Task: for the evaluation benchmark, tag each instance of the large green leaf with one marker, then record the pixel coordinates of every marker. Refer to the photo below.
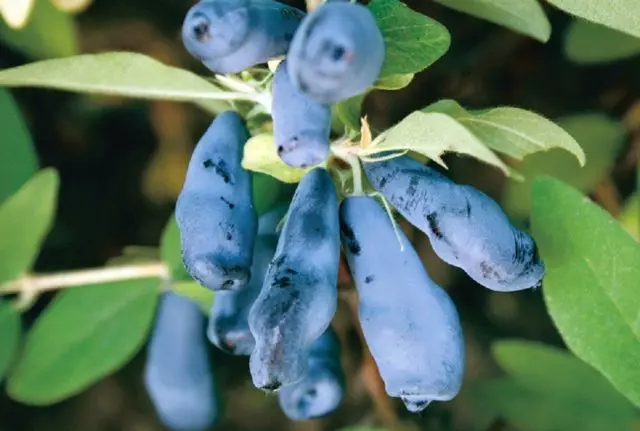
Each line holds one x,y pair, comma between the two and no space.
623,15
412,41
588,43
49,33
509,399
25,219
592,281
547,371
117,74
9,335
600,137
266,192
512,131
524,16
87,333
18,160
260,156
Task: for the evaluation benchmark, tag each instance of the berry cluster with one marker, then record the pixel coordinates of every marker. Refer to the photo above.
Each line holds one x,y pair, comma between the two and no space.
277,291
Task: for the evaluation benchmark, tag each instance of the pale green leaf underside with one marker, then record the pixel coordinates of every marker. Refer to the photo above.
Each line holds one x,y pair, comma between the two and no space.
25,220
394,82
524,16
623,15
511,131
591,286
87,333
260,156
412,41
589,43
600,137
116,74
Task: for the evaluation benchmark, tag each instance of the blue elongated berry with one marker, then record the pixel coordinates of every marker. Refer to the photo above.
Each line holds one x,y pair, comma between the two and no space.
228,325
410,324
322,389
178,374
214,211
229,36
467,229
299,295
337,52
301,126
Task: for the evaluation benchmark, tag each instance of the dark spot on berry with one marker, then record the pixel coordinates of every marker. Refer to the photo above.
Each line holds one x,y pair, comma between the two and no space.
231,205
350,239
201,30
337,53
383,182
369,278
272,386
468,207
434,226
489,271
207,163
280,149
291,271
282,282
413,186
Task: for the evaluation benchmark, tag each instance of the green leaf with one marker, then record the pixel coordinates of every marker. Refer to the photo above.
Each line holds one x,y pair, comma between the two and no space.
600,137
348,111
116,74
394,82
170,250
549,371
512,131
623,15
49,33
202,296
25,219
589,43
412,41
591,283
260,156
524,16
266,192
18,160
433,134
630,216
87,333
507,398
10,335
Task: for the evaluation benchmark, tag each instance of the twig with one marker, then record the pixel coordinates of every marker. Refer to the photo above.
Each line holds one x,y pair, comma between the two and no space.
33,284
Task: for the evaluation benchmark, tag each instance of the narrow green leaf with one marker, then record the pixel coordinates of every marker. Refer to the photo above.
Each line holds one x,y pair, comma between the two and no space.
512,131
116,74
18,160
348,112
394,82
549,371
600,137
49,33
170,250
589,43
508,399
9,335
591,283
623,15
412,41
202,296
87,333
260,156
25,219
433,134
524,16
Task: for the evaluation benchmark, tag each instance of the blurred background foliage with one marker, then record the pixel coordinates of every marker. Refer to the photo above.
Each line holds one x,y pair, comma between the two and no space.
121,164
